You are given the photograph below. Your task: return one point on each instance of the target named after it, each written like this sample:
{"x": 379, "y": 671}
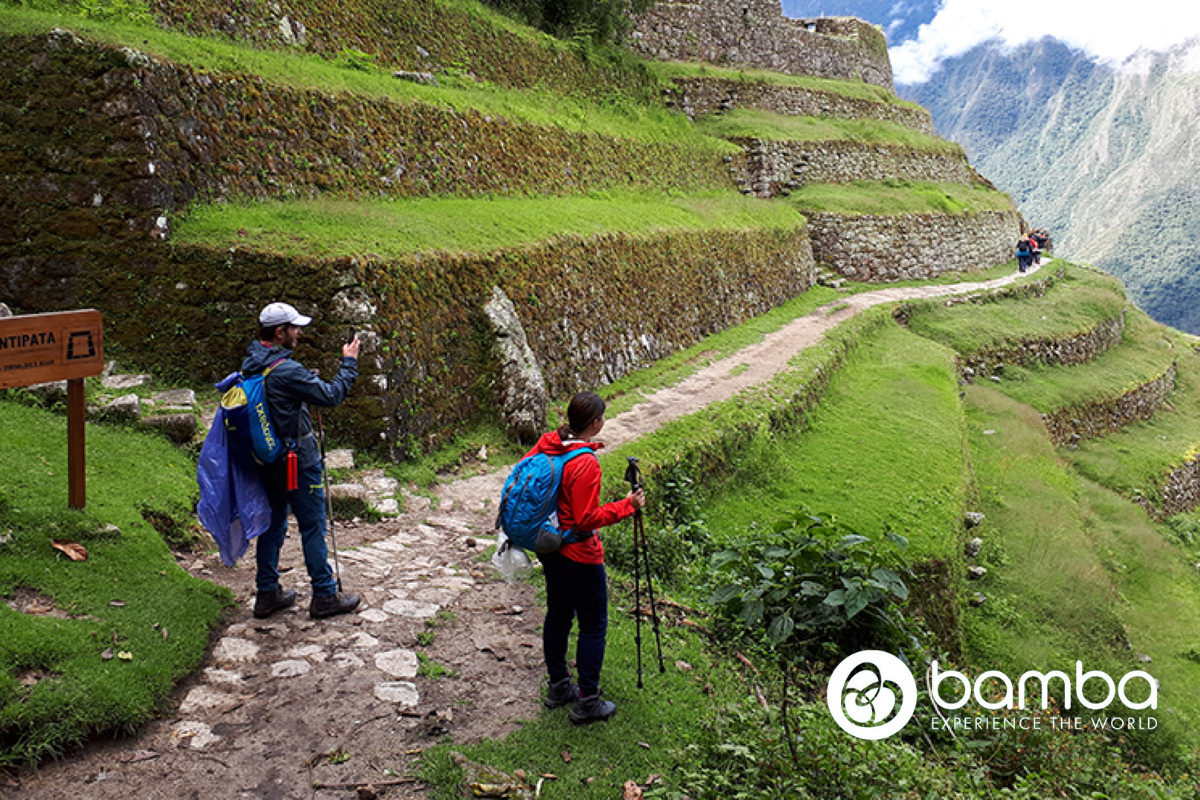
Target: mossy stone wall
{"x": 755, "y": 33}
{"x": 413, "y": 36}
{"x": 884, "y": 249}
{"x": 1067, "y": 426}
{"x": 97, "y": 142}
{"x": 594, "y": 309}
{"x": 773, "y": 167}
{"x": 1180, "y": 491}
{"x": 1079, "y": 348}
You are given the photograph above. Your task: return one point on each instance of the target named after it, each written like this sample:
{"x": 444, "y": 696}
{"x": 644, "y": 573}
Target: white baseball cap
{"x": 281, "y": 314}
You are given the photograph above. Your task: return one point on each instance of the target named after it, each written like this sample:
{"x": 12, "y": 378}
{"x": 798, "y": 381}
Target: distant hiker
{"x": 1024, "y": 253}
{"x": 576, "y": 581}
{"x": 290, "y": 389}
{"x": 1040, "y": 241}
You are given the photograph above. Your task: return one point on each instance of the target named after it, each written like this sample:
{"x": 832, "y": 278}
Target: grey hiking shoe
{"x": 333, "y": 605}
{"x": 560, "y": 694}
{"x": 267, "y": 603}
{"x": 592, "y": 709}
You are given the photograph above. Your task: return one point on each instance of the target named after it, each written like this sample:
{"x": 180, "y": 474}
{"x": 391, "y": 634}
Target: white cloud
{"x": 1102, "y": 29}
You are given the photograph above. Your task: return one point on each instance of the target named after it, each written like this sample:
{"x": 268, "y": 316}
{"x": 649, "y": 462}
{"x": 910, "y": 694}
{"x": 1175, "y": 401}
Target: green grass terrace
{"x": 398, "y": 227}
{"x": 745, "y": 123}
{"x": 623, "y": 118}
{"x": 895, "y": 197}
{"x": 857, "y": 90}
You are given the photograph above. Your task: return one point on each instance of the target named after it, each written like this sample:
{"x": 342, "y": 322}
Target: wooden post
{"x": 67, "y": 346}
{"x": 76, "y": 445}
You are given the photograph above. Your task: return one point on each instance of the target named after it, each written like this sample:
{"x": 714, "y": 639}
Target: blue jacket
{"x": 233, "y": 503}
{"x": 290, "y": 390}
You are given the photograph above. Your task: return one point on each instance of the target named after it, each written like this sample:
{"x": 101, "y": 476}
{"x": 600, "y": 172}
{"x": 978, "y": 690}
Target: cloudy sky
{"x": 923, "y": 33}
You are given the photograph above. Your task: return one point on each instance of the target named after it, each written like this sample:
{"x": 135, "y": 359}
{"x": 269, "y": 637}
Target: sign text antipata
{"x": 39, "y": 348}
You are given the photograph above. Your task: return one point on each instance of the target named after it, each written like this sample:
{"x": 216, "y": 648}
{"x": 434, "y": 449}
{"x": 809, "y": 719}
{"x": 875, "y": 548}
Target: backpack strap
{"x": 269, "y": 367}
{"x": 577, "y": 452}
{"x": 273, "y": 365}
{"x": 568, "y": 535}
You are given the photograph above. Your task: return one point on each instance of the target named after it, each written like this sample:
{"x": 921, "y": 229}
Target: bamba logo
{"x": 872, "y": 694}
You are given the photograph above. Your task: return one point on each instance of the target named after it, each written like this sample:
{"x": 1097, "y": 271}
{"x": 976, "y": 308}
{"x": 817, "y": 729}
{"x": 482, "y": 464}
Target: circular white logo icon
{"x": 862, "y": 694}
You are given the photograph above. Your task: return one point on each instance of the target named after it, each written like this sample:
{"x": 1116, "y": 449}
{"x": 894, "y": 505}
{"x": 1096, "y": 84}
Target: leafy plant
{"x": 812, "y": 581}
{"x": 121, "y": 10}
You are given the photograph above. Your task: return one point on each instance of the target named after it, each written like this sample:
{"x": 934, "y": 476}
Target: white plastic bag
{"x": 512, "y": 561}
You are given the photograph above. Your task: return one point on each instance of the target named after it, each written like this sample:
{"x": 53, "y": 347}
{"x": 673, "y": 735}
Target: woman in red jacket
{"x": 576, "y": 582}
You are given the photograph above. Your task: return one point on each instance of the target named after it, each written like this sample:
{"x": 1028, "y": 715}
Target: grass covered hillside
{"x": 896, "y": 449}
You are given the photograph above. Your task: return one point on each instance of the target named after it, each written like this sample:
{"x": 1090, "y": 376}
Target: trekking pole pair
{"x": 641, "y": 551}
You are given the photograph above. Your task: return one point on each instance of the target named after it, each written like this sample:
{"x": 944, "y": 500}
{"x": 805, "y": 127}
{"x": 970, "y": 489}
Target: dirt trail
{"x": 727, "y": 377}
{"x": 285, "y": 703}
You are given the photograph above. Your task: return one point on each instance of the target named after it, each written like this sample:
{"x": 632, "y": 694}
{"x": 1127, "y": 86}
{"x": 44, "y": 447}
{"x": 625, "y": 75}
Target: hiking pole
{"x": 640, "y": 530}
{"x": 632, "y": 476}
{"x": 641, "y": 547}
{"x": 650, "y": 591}
{"x": 337, "y": 570}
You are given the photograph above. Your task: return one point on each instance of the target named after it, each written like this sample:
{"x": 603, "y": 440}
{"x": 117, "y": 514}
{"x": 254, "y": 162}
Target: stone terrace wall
{"x": 1069, "y": 350}
{"x": 774, "y": 167}
{"x": 755, "y": 33}
{"x": 99, "y": 142}
{"x": 1180, "y": 491}
{"x": 700, "y": 97}
{"x": 1089, "y": 421}
{"x": 879, "y": 249}
{"x": 594, "y": 309}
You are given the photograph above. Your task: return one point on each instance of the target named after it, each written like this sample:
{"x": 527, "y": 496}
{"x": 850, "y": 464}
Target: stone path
{"x": 440, "y": 647}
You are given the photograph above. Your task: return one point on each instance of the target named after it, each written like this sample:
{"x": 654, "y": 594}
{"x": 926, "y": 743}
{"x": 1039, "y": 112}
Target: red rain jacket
{"x": 579, "y": 506}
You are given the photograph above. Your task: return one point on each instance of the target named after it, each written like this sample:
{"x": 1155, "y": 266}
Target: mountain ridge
{"x": 1095, "y": 152}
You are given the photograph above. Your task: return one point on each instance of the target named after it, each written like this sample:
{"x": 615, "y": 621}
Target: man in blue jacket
{"x": 290, "y": 389}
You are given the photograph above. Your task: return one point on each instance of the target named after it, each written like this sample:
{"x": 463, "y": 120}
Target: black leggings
{"x": 575, "y": 590}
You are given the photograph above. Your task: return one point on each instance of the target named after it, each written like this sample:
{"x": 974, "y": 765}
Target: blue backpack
{"x": 530, "y": 499}
{"x": 248, "y": 420}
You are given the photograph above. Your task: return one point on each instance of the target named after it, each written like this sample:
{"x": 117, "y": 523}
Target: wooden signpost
{"x": 41, "y": 348}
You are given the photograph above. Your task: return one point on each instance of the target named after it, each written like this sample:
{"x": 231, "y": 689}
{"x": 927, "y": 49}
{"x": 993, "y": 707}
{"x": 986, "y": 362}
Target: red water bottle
{"x": 293, "y": 471}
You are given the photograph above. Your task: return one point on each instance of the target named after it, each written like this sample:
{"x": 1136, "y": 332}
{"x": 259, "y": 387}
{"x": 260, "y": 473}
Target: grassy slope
{"x": 885, "y": 448}
{"x": 1075, "y": 571}
{"x": 1070, "y": 306}
{"x": 768, "y": 125}
{"x": 1141, "y": 356}
{"x": 83, "y": 693}
{"x": 857, "y": 90}
{"x": 391, "y": 228}
{"x": 536, "y": 107}
{"x": 898, "y": 197}
{"x": 1134, "y": 460}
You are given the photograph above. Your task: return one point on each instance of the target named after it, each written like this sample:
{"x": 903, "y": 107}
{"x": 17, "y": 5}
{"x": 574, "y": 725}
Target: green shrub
{"x": 811, "y": 584}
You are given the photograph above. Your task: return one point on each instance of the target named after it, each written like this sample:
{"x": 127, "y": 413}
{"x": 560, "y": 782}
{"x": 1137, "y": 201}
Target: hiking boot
{"x": 592, "y": 709}
{"x": 333, "y": 605}
{"x": 267, "y": 603}
{"x": 560, "y": 694}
